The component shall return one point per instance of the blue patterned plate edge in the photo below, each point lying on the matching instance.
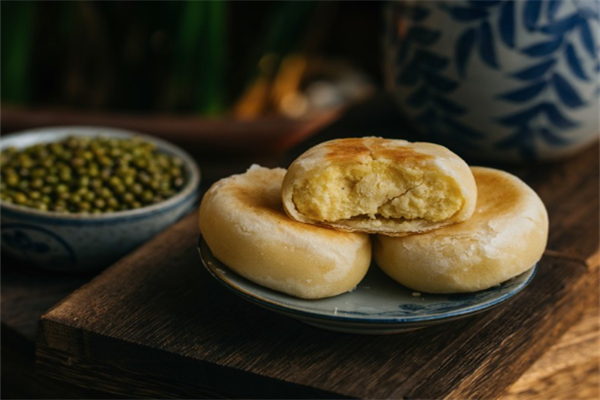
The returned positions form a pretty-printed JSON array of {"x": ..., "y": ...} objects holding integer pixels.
[{"x": 346, "y": 322}]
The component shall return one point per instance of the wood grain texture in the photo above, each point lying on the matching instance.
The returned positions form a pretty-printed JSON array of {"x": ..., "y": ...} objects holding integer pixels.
[
  {"x": 569, "y": 189},
  {"x": 159, "y": 304},
  {"x": 570, "y": 369},
  {"x": 204, "y": 328},
  {"x": 19, "y": 380},
  {"x": 222, "y": 341},
  {"x": 225, "y": 136},
  {"x": 28, "y": 292}
]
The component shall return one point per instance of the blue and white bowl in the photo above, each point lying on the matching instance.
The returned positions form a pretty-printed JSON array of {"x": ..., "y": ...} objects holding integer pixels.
[
  {"x": 502, "y": 80},
  {"x": 87, "y": 242}
]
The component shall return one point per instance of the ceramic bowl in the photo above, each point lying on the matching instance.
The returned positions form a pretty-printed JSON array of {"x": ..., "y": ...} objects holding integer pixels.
[
  {"x": 510, "y": 81},
  {"x": 87, "y": 242}
]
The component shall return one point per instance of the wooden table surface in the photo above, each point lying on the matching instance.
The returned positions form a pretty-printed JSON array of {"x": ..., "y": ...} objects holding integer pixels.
[{"x": 568, "y": 369}]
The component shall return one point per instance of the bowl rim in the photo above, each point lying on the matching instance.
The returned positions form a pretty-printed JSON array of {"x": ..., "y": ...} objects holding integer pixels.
[{"x": 189, "y": 191}]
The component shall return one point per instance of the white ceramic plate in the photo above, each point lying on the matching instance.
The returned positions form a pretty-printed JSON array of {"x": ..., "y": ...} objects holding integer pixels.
[{"x": 378, "y": 305}]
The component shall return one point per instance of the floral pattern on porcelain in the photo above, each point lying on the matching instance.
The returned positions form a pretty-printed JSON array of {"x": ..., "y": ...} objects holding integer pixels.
[
  {"x": 510, "y": 80},
  {"x": 37, "y": 244}
]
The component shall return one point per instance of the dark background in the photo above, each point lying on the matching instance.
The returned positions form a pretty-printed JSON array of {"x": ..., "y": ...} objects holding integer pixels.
[{"x": 184, "y": 57}]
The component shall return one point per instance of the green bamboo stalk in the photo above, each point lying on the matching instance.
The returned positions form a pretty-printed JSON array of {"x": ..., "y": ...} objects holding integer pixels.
[
  {"x": 189, "y": 39},
  {"x": 213, "y": 52},
  {"x": 18, "y": 23},
  {"x": 67, "y": 23},
  {"x": 290, "y": 20}
]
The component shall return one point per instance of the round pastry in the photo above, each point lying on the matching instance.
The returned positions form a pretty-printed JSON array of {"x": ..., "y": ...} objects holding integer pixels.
[
  {"x": 243, "y": 222},
  {"x": 506, "y": 236},
  {"x": 377, "y": 185}
]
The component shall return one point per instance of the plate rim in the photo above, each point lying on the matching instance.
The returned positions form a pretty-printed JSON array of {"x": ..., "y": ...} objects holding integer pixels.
[{"x": 321, "y": 317}]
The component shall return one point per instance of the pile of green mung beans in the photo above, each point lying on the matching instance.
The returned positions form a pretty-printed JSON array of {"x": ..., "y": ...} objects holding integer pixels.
[{"x": 89, "y": 175}]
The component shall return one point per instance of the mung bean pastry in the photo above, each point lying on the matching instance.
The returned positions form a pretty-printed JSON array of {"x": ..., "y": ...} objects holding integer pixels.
[
  {"x": 376, "y": 185},
  {"x": 505, "y": 237},
  {"x": 243, "y": 222}
]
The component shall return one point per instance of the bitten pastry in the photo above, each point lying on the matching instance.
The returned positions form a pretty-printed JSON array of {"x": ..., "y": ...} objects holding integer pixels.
[
  {"x": 506, "y": 236},
  {"x": 377, "y": 185},
  {"x": 243, "y": 222}
]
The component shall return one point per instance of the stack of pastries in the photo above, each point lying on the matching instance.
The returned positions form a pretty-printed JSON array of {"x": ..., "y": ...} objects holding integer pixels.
[{"x": 426, "y": 218}]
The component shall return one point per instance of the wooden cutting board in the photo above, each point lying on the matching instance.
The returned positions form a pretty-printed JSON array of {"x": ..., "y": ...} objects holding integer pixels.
[{"x": 157, "y": 325}]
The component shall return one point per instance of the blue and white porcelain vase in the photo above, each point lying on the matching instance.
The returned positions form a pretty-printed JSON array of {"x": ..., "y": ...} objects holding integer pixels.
[{"x": 504, "y": 80}]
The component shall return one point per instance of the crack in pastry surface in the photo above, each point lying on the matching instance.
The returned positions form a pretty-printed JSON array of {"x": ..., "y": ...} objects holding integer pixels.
[{"x": 377, "y": 189}]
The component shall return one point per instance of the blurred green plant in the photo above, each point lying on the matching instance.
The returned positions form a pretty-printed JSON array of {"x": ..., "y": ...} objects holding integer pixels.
[
  {"x": 200, "y": 50},
  {"x": 173, "y": 56},
  {"x": 18, "y": 23}
]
